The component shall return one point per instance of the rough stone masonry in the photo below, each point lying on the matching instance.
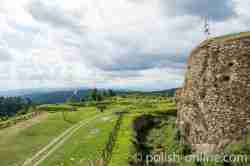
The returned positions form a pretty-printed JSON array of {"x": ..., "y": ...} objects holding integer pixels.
[{"x": 214, "y": 103}]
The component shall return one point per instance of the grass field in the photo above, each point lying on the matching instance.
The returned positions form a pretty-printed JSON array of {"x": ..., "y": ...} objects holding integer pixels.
[
  {"x": 88, "y": 140},
  {"x": 74, "y": 138},
  {"x": 17, "y": 147},
  {"x": 85, "y": 145}
]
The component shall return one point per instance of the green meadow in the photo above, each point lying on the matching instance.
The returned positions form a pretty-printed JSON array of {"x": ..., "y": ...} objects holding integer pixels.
[{"x": 74, "y": 137}]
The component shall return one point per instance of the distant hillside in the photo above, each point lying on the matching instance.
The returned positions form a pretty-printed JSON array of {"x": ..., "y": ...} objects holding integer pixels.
[
  {"x": 56, "y": 96},
  {"x": 20, "y": 92},
  {"x": 167, "y": 92},
  {"x": 23, "y": 92},
  {"x": 52, "y": 96}
]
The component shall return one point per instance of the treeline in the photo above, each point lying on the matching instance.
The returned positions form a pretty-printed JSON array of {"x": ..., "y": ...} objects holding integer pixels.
[
  {"x": 99, "y": 95},
  {"x": 10, "y": 106},
  {"x": 162, "y": 93},
  {"x": 96, "y": 95},
  {"x": 69, "y": 96}
]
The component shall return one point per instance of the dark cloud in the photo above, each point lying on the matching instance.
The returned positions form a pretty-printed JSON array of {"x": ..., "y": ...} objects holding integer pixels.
[
  {"x": 217, "y": 10},
  {"x": 130, "y": 54},
  {"x": 123, "y": 74},
  {"x": 55, "y": 16},
  {"x": 137, "y": 62}
]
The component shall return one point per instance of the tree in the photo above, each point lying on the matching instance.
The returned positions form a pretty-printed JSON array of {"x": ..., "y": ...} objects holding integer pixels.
[
  {"x": 111, "y": 93},
  {"x": 82, "y": 99},
  {"x": 99, "y": 97},
  {"x": 101, "y": 106},
  {"x": 10, "y": 106},
  {"x": 105, "y": 93},
  {"x": 94, "y": 94},
  {"x": 28, "y": 101},
  {"x": 72, "y": 99},
  {"x": 28, "y": 104}
]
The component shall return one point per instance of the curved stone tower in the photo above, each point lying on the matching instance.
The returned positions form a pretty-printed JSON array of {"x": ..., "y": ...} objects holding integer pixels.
[{"x": 214, "y": 103}]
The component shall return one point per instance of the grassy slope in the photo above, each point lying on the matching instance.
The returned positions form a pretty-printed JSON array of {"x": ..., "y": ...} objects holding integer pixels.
[
  {"x": 123, "y": 146},
  {"x": 14, "y": 151},
  {"x": 232, "y": 36},
  {"x": 227, "y": 38}
]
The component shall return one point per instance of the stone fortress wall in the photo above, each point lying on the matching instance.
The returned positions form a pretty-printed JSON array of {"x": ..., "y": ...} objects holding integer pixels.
[{"x": 214, "y": 103}]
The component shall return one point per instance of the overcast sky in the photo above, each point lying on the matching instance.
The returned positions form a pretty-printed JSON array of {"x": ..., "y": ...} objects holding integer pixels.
[{"x": 127, "y": 44}]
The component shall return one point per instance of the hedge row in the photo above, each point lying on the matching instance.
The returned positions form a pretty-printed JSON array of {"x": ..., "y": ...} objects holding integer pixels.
[
  {"x": 107, "y": 151},
  {"x": 14, "y": 121}
]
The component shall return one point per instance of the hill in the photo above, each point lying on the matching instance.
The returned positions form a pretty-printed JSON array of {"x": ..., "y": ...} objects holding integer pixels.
[{"x": 59, "y": 96}]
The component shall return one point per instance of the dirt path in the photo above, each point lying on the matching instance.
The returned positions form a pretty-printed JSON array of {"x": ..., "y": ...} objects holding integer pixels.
[
  {"x": 13, "y": 130},
  {"x": 46, "y": 151}
]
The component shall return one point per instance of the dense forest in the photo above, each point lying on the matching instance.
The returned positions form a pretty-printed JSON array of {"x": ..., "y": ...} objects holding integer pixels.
[
  {"x": 57, "y": 97},
  {"x": 10, "y": 106}
]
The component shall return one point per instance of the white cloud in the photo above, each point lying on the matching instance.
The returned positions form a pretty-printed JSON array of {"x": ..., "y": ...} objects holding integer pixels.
[{"x": 120, "y": 43}]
